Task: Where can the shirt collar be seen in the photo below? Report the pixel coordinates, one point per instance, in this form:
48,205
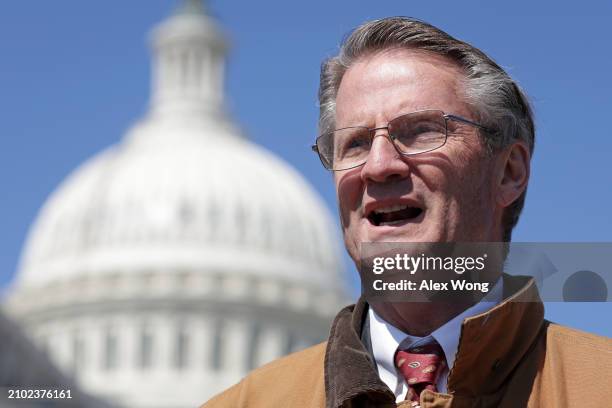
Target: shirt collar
386,338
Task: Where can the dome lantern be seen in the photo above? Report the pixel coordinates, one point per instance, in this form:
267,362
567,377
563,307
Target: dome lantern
191,7
188,53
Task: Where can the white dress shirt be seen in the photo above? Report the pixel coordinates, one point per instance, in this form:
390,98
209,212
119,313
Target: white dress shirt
386,338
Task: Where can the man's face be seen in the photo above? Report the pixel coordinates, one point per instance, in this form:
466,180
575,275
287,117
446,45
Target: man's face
449,192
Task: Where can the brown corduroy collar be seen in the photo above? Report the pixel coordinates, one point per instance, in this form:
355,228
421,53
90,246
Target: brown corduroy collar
490,347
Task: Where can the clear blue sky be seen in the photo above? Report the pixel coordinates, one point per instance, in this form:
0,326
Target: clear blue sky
74,75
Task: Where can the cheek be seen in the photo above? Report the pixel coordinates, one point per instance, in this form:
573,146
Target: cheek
471,184
349,189
463,178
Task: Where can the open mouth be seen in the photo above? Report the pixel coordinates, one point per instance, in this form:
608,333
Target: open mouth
393,215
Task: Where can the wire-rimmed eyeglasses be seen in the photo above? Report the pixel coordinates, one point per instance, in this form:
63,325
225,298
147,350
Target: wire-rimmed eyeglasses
413,133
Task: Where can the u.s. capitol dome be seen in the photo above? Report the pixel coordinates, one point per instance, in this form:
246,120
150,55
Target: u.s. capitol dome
168,265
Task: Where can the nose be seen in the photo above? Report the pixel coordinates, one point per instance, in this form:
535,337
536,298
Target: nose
384,162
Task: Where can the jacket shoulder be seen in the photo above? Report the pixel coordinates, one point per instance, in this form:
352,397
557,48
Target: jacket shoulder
293,380
559,338
575,369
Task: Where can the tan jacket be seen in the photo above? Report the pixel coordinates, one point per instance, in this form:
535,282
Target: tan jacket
507,357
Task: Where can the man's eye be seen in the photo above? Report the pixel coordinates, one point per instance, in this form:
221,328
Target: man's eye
426,128
419,130
357,142
353,145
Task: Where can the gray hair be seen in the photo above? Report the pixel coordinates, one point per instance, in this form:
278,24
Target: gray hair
496,100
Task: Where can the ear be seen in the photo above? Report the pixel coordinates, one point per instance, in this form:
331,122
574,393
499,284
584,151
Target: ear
514,168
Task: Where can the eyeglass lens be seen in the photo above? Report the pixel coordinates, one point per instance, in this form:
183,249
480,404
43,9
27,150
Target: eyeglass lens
413,133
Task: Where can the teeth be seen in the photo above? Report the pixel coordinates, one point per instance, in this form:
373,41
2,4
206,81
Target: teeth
391,209
391,222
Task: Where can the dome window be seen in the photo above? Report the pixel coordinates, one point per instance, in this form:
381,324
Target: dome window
181,349
110,350
78,353
254,341
145,356
216,359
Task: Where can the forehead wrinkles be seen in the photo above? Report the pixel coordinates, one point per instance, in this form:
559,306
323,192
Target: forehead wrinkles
421,80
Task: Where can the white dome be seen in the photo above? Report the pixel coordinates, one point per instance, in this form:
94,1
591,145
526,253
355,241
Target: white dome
190,193
184,187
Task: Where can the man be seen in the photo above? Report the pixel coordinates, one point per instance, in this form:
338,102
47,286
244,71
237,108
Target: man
430,141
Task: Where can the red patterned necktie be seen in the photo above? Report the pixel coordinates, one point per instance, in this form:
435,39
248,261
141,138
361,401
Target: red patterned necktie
421,366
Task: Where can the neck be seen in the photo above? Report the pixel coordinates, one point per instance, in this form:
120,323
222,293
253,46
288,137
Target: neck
418,318
421,318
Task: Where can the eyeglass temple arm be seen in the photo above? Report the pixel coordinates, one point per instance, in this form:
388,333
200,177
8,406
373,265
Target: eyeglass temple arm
469,122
